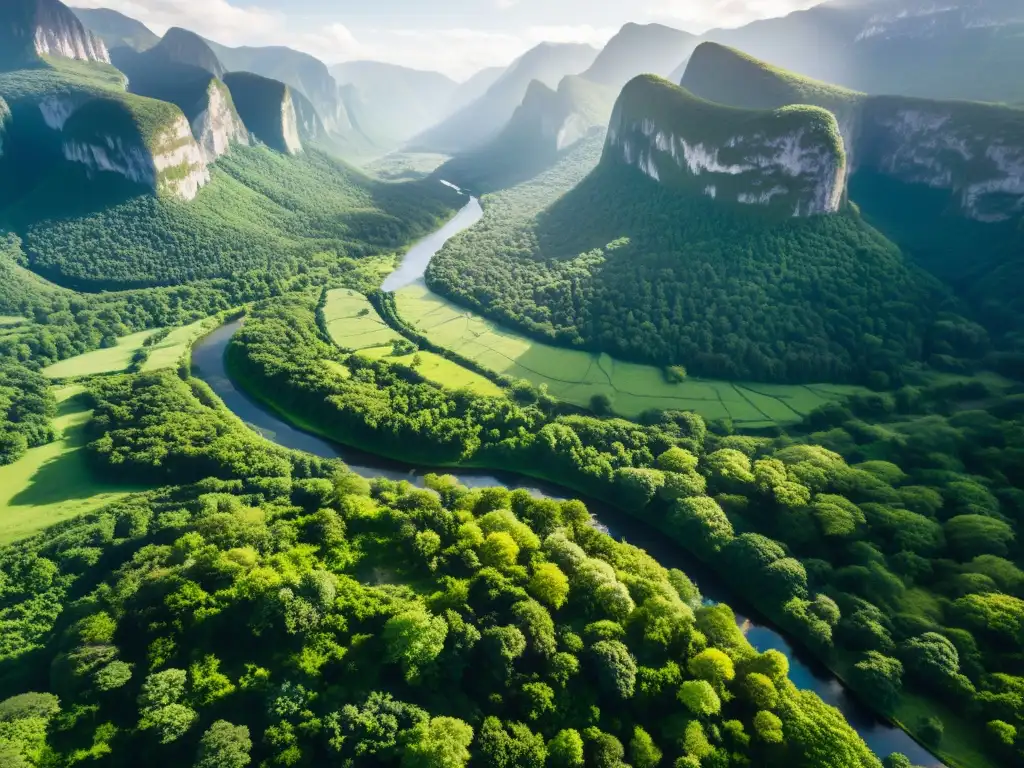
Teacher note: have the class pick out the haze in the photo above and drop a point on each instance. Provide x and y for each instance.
(457, 37)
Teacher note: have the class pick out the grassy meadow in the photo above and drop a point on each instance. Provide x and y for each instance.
(100, 361)
(576, 376)
(53, 482)
(167, 353)
(439, 370)
(352, 322)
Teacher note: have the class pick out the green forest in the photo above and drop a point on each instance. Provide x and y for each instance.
(624, 265)
(882, 534)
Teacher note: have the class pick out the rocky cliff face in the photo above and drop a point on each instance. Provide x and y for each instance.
(973, 150)
(976, 151)
(48, 27)
(267, 109)
(5, 118)
(217, 126)
(169, 162)
(790, 161)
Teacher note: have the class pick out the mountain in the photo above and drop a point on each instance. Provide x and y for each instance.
(117, 30)
(267, 109)
(790, 160)
(543, 128)
(473, 88)
(484, 118)
(972, 151)
(708, 236)
(641, 49)
(958, 49)
(33, 28)
(298, 70)
(391, 104)
(179, 46)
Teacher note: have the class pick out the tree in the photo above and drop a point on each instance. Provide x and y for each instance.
(879, 679)
(224, 746)
(171, 722)
(441, 742)
(702, 520)
(616, 667)
(565, 750)
(700, 698)
(414, 639)
(973, 535)
(677, 459)
(603, 750)
(930, 730)
(114, 675)
(931, 658)
(760, 691)
(499, 550)
(643, 752)
(768, 727)
(996, 617)
(510, 746)
(549, 585)
(713, 666)
(535, 623)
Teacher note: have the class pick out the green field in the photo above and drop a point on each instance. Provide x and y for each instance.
(98, 361)
(167, 353)
(53, 482)
(440, 370)
(11, 320)
(352, 322)
(576, 376)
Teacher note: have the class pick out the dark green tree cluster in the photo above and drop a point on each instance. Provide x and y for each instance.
(624, 265)
(26, 408)
(331, 621)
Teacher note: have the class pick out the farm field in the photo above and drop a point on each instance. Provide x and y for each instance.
(440, 370)
(352, 322)
(576, 376)
(99, 361)
(53, 482)
(167, 353)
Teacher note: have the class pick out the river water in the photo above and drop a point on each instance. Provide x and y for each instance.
(806, 673)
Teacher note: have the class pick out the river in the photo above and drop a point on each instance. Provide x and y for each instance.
(208, 365)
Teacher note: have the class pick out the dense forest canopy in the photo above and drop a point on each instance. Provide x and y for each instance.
(623, 265)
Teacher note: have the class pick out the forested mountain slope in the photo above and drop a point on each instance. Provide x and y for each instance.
(660, 271)
(938, 177)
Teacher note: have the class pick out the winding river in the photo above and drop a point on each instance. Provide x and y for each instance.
(208, 365)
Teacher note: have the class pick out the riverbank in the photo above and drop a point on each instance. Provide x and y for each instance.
(881, 737)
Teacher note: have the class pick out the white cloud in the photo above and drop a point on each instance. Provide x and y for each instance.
(699, 17)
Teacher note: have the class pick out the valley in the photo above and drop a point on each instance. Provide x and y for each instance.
(654, 398)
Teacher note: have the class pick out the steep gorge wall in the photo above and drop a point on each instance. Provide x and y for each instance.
(218, 125)
(789, 161)
(267, 110)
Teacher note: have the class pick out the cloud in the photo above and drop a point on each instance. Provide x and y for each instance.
(698, 17)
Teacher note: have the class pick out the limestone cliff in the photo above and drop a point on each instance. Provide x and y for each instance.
(267, 109)
(789, 161)
(5, 118)
(218, 125)
(156, 150)
(973, 150)
(32, 28)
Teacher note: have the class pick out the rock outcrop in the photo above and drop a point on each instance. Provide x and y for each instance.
(5, 119)
(32, 28)
(973, 150)
(267, 109)
(789, 161)
(218, 125)
(105, 137)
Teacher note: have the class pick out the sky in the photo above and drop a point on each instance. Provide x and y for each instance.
(457, 37)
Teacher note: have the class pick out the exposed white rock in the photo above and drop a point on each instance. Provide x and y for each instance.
(177, 168)
(290, 125)
(56, 110)
(711, 191)
(761, 198)
(58, 32)
(218, 126)
(573, 129)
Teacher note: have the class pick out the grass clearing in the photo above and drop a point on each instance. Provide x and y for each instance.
(961, 743)
(439, 370)
(111, 360)
(167, 353)
(353, 323)
(6, 320)
(576, 376)
(53, 482)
